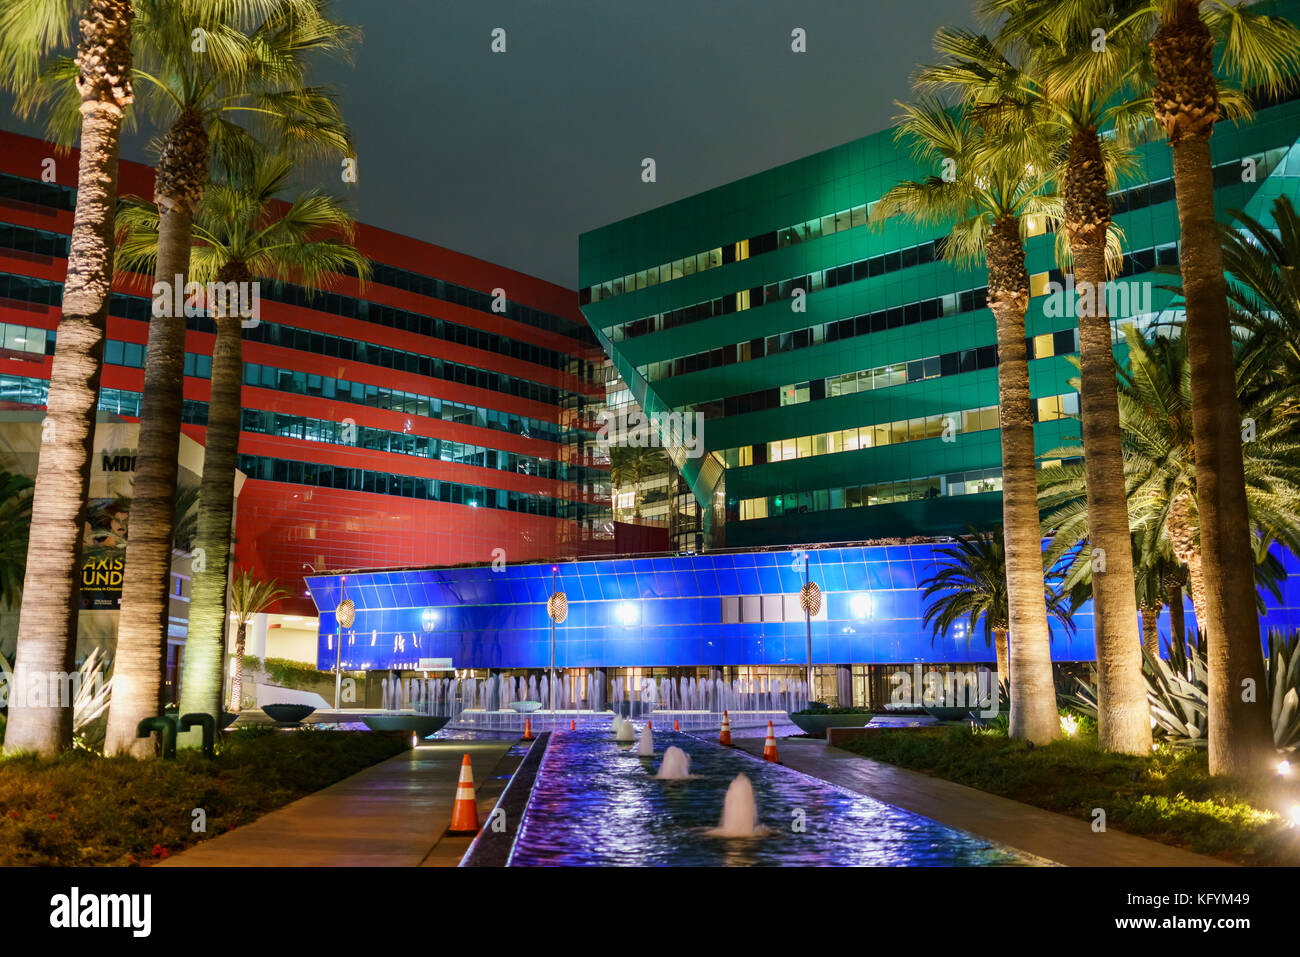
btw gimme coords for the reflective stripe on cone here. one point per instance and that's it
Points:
(464, 813)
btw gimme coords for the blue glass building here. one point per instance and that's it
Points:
(702, 611)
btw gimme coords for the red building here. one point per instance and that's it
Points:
(440, 414)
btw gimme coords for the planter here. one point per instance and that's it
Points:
(422, 724)
(523, 707)
(815, 725)
(287, 713)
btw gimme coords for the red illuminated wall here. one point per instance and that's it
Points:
(282, 527)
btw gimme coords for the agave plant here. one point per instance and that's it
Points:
(1178, 691)
(1283, 667)
(94, 689)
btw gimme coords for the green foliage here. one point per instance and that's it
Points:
(993, 174)
(1282, 665)
(632, 466)
(185, 518)
(1264, 296)
(1155, 408)
(286, 673)
(306, 240)
(970, 581)
(250, 596)
(83, 809)
(94, 692)
(1178, 692)
(1168, 796)
(15, 523)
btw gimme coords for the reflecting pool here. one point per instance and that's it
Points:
(596, 803)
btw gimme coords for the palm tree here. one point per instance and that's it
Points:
(249, 596)
(970, 581)
(243, 232)
(30, 30)
(1031, 75)
(995, 185)
(15, 528)
(1162, 471)
(628, 464)
(1259, 52)
(1264, 294)
(255, 63)
(1153, 572)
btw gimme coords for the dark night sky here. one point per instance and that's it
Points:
(510, 156)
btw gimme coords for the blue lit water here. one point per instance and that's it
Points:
(596, 803)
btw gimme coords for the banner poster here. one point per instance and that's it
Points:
(107, 525)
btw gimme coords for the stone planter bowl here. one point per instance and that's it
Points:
(422, 724)
(815, 725)
(287, 713)
(523, 707)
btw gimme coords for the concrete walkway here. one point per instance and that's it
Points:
(1046, 834)
(394, 814)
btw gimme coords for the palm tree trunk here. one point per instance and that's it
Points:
(47, 638)
(237, 678)
(1033, 696)
(1000, 651)
(1123, 715)
(1174, 599)
(206, 641)
(1186, 97)
(142, 627)
(1151, 630)
(1181, 528)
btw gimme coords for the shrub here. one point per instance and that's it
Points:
(80, 808)
(1168, 796)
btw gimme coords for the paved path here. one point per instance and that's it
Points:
(1055, 837)
(393, 814)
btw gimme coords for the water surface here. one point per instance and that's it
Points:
(596, 803)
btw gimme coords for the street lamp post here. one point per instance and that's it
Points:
(810, 597)
(557, 609)
(345, 614)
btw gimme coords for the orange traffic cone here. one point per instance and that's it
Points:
(464, 813)
(676, 725)
(769, 746)
(725, 737)
(573, 725)
(528, 729)
(650, 724)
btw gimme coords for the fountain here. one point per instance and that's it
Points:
(646, 746)
(739, 812)
(624, 732)
(676, 766)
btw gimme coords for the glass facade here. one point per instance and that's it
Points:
(441, 413)
(716, 609)
(776, 309)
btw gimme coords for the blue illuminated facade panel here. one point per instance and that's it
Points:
(713, 609)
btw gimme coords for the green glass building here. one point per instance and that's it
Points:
(845, 374)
